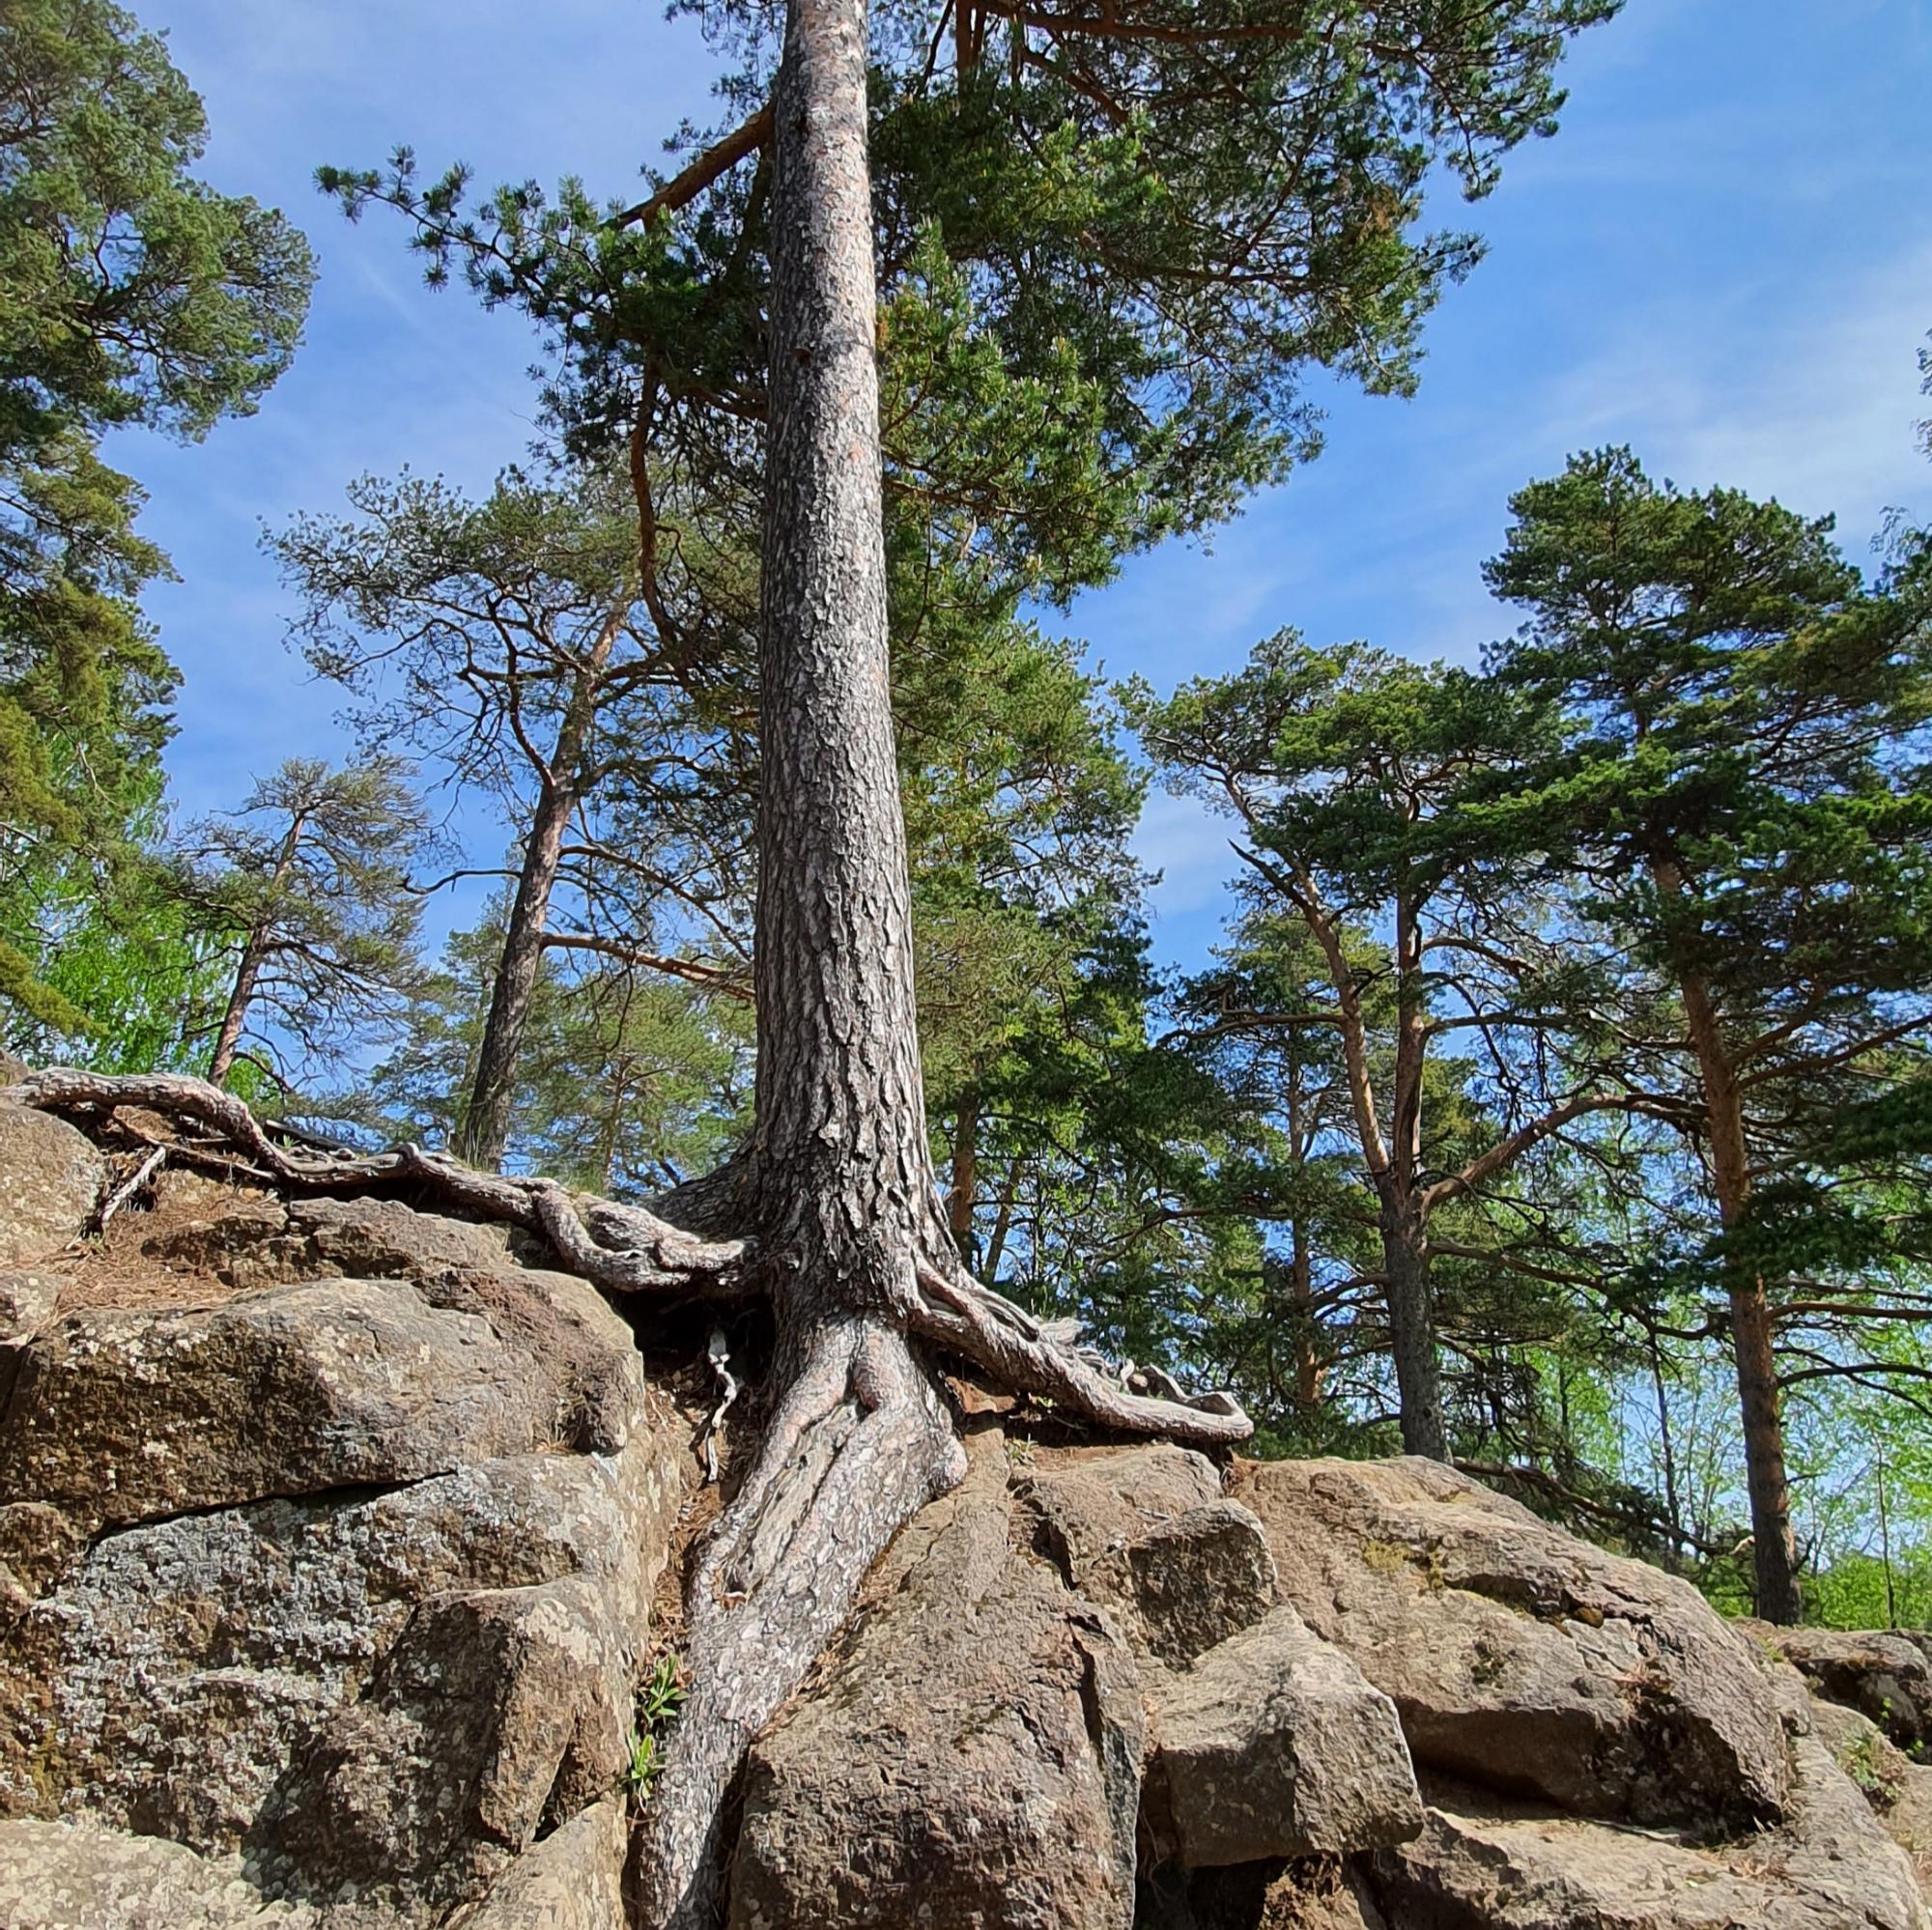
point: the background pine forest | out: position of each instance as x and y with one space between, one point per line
1566 1037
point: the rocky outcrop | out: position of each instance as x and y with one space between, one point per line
1271 1744
323 1585
51 1182
971 1758
977 1755
1521 1659
1885 1677
1483 1863
1147 1532
125 1415
75 1876
329 1531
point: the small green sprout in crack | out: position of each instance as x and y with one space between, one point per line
659 1701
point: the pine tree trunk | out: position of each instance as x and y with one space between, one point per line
1774 1546
254 953
1301 1296
1412 1304
485 1130
1418 1373
960 1195
234 1019
843 1196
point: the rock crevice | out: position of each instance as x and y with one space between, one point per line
330 1535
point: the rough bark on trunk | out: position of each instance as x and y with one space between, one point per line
1774 1546
842 1173
1418 1374
485 1130
1405 1216
844 1203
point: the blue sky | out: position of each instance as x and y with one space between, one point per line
1725 259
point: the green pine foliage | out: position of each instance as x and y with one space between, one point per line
130 293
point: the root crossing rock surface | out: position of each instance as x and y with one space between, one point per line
329 1536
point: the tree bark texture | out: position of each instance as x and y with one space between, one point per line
1404 1209
1418 1373
843 1202
1774 1546
485 1129
1301 1297
844 1175
248 968
1394 1164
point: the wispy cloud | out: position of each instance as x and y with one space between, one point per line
1187 845
1811 402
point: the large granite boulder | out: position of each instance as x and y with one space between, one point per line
493 1709
75 1876
171 1677
571 1880
971 1759
1483 1863
1521 1659
1898 1789
122 1414
1271 1744
1885 1677
264 1241
1147 1532
347 1579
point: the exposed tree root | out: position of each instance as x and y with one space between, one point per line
982 1326
859 1439
625 1249
620 1248
860 1442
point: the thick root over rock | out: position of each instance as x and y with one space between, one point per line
860 1439
860 1442
620 1248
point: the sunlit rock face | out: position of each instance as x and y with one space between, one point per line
331 1535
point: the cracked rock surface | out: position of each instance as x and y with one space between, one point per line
329 1536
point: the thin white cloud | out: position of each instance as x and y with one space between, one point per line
1813 404
1187 845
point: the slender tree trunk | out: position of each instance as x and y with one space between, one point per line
235 1020
1672 1502
843 1194
485 1130
1774 1546
1418 1373
254 955
1301 1295
1003 1221
1402 1219
959 1197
